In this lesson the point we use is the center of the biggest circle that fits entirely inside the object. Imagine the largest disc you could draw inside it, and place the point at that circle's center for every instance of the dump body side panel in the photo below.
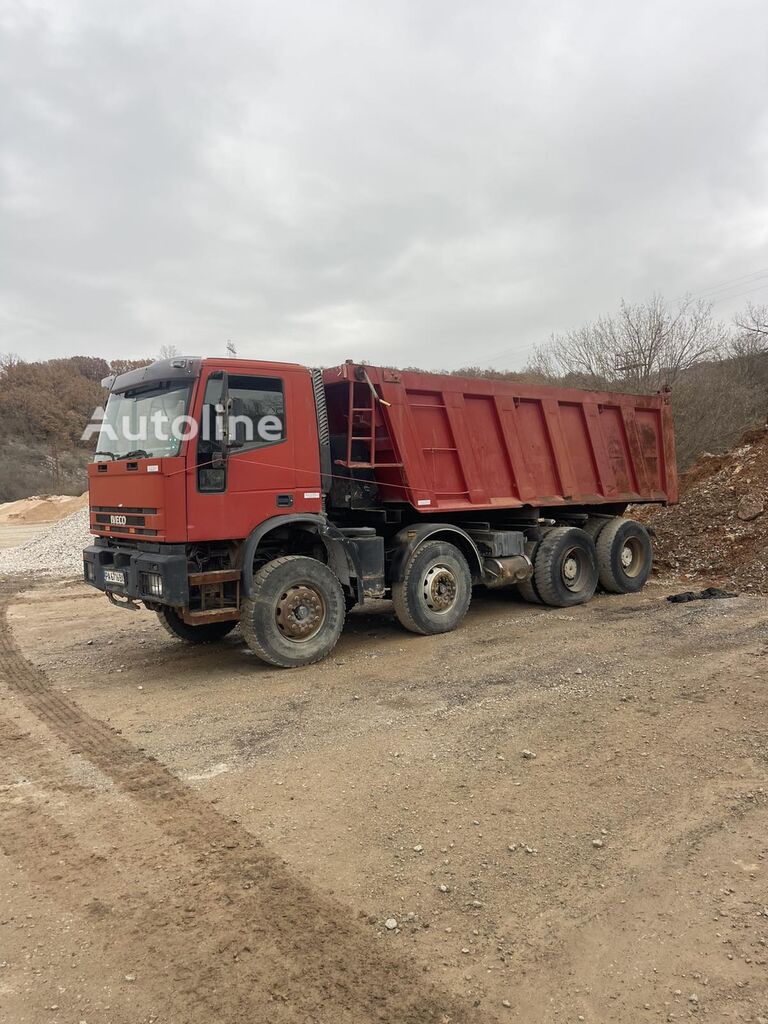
(444, 443)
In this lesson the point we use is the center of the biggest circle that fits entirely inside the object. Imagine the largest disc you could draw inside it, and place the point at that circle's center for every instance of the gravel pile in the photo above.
(55, 551)
(719, 530)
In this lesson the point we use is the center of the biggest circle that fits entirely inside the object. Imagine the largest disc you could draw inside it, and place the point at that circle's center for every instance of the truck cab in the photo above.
(204, 466)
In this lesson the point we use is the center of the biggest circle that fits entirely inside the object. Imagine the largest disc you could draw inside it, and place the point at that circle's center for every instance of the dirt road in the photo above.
(190, 836)
(12, 535)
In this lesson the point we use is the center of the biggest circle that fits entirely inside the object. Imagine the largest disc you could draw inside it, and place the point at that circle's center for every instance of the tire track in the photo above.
(261, 945)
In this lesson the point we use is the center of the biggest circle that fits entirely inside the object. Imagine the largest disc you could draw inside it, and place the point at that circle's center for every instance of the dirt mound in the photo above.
(42, 508)
(719, 530)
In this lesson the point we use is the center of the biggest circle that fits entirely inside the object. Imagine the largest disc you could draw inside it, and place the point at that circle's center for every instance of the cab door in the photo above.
(234, 487)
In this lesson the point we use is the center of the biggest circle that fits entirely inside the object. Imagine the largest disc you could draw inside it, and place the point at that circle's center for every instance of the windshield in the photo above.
(145, 422)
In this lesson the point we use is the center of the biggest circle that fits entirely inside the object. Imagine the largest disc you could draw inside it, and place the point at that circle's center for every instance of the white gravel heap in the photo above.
(57, 550)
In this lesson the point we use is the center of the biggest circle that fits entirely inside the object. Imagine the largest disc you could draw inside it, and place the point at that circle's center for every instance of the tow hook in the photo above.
(127, 603)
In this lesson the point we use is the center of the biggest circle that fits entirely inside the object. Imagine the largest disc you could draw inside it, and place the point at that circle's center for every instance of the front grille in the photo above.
(130, 520)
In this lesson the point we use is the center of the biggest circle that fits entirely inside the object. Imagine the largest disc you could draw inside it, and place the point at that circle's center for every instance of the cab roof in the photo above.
(187, 368)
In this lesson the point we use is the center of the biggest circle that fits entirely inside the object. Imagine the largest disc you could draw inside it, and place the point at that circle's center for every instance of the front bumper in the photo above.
(158, 577)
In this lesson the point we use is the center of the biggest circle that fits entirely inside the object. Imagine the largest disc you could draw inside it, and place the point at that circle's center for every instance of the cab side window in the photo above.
(257, 420)
(258, 411)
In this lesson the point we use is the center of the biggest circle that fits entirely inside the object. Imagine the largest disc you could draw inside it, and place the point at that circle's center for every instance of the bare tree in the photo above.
(753, 322)
(168, 351)
(748, 348)
(8, 359)
(644, 347)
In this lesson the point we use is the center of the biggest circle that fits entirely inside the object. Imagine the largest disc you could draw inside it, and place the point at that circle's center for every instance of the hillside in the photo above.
(44, 408)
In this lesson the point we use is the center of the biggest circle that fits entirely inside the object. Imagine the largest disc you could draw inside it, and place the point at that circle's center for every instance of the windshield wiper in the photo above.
(138, 454)
(110, 454)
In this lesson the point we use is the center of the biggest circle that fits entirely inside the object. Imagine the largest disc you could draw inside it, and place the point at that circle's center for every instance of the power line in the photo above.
(738, 295)
(703, 292)
(505, 351)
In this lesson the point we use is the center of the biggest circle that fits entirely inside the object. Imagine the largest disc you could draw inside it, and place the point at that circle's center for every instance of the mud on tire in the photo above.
(205, 633)
(295, 613)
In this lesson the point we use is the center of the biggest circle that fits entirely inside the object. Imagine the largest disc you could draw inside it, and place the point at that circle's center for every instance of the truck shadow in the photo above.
(374, 622)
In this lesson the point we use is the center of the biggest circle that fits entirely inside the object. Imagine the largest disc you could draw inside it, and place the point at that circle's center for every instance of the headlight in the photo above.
(152, 584)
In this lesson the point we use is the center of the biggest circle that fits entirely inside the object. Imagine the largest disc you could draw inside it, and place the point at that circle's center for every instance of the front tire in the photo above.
(295, 613)
(436, 589)
(206, 633)
(624, 556)
(565, 569)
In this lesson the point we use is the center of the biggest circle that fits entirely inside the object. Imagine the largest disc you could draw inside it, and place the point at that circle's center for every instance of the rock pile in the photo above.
(55, 551)
(719, 530)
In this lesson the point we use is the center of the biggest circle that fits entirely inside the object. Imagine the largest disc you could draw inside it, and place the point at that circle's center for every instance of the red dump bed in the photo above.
(460, 443)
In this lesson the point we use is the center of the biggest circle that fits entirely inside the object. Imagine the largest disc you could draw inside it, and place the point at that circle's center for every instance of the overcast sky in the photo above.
(426, 182)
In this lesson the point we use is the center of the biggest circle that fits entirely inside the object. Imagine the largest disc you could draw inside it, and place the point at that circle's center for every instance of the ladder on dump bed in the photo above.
(361, 428)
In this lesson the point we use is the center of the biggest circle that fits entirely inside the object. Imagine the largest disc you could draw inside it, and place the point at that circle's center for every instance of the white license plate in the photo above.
(112, 576)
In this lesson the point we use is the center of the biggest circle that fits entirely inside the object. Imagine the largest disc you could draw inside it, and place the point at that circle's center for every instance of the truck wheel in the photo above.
(527, 591)
(624, 556)
(205, 633)
(295, 613)
(435, 591)
(527, 588)
(565, 568)
(594, 526)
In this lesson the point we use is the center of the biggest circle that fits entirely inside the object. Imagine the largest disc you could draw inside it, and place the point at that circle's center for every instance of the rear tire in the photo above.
(295, 613)
(527, 588)
(436, 589)
(205, 633)
(594, 526)
(624, 556)
(565, 569)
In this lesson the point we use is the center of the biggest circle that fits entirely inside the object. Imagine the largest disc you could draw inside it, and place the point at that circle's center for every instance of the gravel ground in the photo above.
(188, 836)
(54, 551)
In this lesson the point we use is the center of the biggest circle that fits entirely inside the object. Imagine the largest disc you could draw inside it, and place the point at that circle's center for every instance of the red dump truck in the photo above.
(230, 491)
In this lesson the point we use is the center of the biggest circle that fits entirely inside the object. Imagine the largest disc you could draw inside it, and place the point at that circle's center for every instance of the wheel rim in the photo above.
(574, 569)
(439, 589)
(631, 557)
(300, 613)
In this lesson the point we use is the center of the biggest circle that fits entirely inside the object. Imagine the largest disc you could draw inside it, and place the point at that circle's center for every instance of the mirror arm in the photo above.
(219, 458)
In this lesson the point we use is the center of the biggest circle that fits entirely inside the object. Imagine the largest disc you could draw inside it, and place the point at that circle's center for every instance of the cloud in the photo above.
(428, 183)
